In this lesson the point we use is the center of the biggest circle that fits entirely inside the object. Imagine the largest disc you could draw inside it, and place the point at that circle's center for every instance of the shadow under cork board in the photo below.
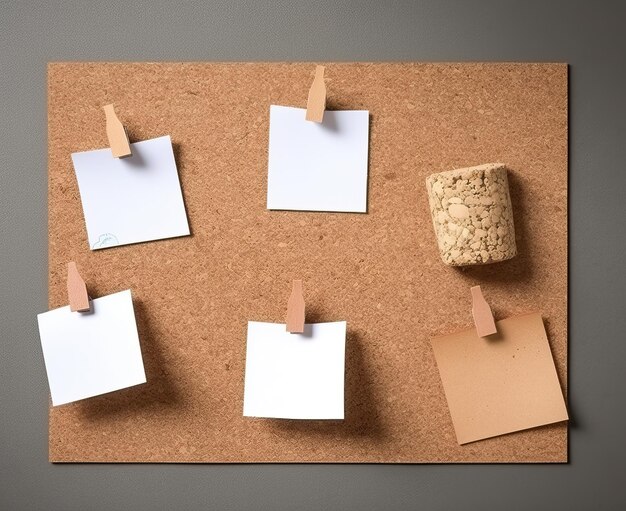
(379, 271)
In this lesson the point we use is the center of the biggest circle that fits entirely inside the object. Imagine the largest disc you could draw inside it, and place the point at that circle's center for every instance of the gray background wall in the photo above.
(590, 36)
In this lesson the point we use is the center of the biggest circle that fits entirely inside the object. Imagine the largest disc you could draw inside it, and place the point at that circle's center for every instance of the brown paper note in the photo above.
(500, 384)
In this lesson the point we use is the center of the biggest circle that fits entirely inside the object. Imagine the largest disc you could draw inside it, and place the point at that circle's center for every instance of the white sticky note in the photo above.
(88, 354)
(318, 166)
(295, 376)
(133, 199)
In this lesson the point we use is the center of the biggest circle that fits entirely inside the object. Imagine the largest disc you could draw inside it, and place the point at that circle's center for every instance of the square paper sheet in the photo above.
(295, 376)
(502, 383)
(88, 354)
(318, 166)
(133, 199)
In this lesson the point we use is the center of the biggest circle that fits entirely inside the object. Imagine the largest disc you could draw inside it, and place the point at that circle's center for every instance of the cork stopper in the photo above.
(472, 215)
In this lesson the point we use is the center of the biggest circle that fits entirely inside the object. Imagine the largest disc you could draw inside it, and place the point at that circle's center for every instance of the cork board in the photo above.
(380, 271)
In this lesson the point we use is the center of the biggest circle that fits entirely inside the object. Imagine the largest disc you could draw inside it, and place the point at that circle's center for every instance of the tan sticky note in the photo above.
(502, 383)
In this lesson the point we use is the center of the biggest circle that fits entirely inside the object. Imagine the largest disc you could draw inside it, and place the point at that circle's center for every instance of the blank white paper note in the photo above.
(132, 199)
(295, 376)
(318, 166)
(91, 353)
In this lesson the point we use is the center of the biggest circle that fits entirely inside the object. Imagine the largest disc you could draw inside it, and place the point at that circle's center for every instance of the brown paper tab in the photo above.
(483, 317)
(118, 137)
(76, 290)
(295, 309)
(316, 103)
(500, 385)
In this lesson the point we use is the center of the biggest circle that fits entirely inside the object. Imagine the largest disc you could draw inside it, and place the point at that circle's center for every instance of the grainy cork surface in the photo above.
(381, 271)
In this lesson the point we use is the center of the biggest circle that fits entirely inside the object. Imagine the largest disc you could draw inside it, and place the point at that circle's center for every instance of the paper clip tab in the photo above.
(76, 290)
(483, 317)
(295, 309)
(316, 103)
(118, 137)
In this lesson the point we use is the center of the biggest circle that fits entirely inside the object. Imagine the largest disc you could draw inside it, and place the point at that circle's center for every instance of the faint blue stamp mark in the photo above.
(106, 240)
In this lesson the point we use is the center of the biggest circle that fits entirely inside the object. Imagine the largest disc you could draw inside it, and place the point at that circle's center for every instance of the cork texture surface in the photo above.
(380, 271)
(472, 215)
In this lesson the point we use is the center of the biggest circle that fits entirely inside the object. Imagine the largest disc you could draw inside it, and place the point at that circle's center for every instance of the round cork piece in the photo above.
(472, 214)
